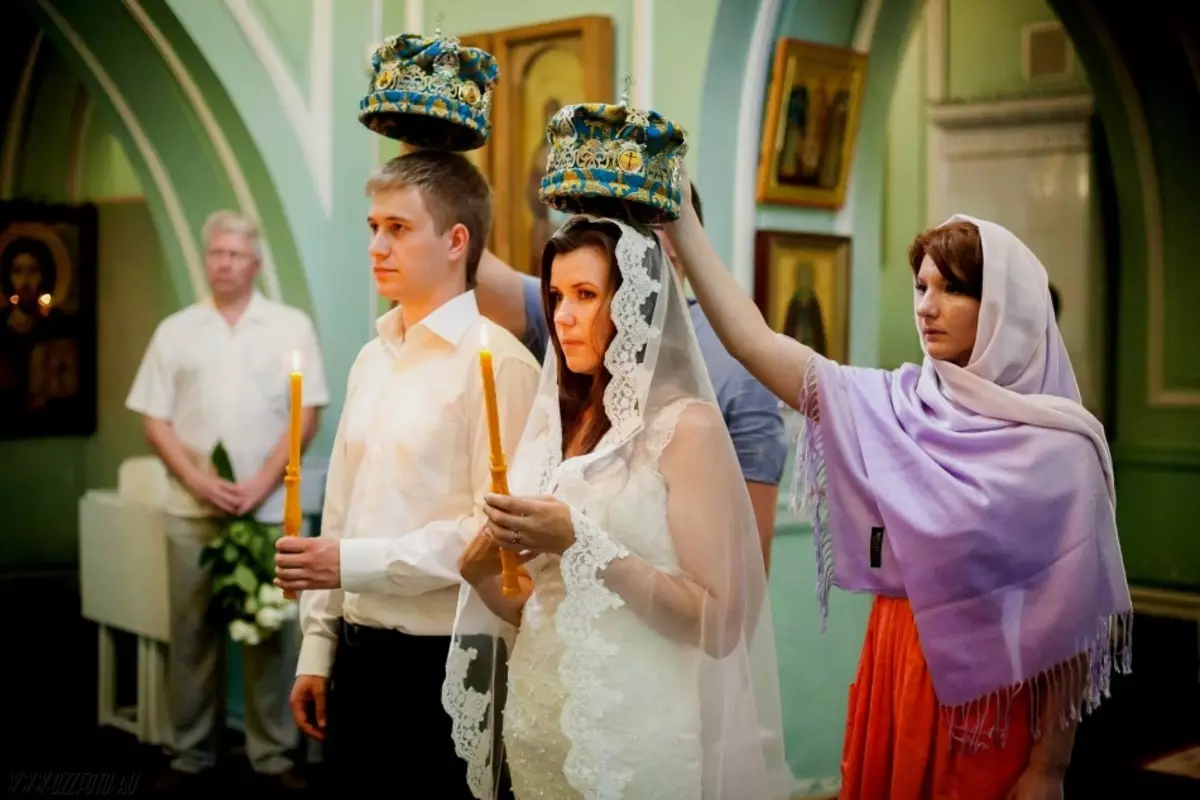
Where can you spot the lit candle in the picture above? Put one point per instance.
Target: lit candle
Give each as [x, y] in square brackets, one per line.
[291, 475]
[508, 560]
[295, 423]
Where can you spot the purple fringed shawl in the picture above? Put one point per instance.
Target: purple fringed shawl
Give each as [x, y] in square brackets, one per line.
[993, 489]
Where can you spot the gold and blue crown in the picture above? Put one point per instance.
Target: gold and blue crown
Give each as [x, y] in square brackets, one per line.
[614, 160]
[430, 92]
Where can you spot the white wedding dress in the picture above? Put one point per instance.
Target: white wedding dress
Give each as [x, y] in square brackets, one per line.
[649, 735]
[677, 697]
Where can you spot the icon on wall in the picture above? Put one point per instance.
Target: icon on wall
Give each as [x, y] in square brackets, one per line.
[812, 118]
[47, 320]
[802, 286]
[542, 68]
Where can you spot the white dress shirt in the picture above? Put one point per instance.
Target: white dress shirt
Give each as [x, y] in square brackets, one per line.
[408, 472]
[229, 383]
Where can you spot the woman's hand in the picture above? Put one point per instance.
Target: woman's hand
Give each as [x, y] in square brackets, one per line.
[685, 190]
[687, 223]
[534, 524]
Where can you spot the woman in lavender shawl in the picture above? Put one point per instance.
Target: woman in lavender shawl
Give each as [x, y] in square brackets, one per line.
[973, 496]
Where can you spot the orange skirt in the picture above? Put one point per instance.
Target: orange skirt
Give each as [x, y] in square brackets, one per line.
[898, 744]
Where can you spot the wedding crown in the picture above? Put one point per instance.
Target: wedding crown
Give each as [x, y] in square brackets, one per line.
[614, 161]
[430, 92]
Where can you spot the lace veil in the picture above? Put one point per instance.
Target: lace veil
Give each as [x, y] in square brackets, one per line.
[665, 423]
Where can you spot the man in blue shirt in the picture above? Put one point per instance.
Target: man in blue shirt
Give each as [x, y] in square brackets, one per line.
[751, 413]
[512, 300]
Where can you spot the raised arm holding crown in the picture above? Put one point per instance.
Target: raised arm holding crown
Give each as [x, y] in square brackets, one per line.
[973, 495]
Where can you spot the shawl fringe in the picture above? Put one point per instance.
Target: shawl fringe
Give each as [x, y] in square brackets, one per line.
[809, 483]
[1068, 691]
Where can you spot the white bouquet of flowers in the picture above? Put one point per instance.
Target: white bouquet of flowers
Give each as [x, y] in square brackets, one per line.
[263, 616]
[245, 598]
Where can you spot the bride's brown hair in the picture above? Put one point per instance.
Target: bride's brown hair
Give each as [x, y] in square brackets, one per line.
[579, 393]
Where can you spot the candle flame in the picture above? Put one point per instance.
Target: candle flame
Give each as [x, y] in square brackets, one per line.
[483, 339]
[295, 361]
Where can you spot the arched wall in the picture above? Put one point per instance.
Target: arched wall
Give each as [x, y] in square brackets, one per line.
[247, 104]
[77, 79]
[190, 152]
[295, 72]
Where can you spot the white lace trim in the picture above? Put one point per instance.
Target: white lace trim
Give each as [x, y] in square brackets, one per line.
[467, 709]
[626, 392]
[550, 441]
[591, 766]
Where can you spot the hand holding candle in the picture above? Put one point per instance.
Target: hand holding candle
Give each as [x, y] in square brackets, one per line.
[291, 476]
[508, 561]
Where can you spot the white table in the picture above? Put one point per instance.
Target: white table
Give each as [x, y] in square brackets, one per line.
[123, 583]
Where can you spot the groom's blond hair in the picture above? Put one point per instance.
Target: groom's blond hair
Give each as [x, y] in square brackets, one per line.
[454, 192]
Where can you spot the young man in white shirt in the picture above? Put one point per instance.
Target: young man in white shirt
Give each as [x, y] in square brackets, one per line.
[217, 371]
[404, 496]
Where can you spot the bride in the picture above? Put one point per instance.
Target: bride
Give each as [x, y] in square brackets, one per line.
[643, 663]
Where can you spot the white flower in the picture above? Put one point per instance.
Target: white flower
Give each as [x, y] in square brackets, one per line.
[242, 631]
[269, 618]
[271, 595]
[289, 610]
[251, 605]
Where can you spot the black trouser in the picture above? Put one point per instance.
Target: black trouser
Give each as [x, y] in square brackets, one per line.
[388, 732]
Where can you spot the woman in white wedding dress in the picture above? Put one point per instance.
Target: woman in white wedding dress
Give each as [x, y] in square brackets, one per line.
[643, 664]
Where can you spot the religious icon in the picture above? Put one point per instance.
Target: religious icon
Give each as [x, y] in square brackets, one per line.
[803, 320]
[802, 285]
[47, 320]
[543, 67]
[812, 116]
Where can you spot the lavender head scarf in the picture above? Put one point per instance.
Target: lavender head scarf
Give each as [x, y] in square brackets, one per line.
[982, 494]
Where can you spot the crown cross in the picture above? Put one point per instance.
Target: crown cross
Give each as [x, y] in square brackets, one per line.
[626, 85]
[441, 20]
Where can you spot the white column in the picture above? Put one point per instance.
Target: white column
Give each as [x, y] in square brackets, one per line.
[643, 54]
[745, 171]
[414, 17]
[864, 33]
[936, 89]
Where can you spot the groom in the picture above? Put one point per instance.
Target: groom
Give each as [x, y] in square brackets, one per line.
[405, 488]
